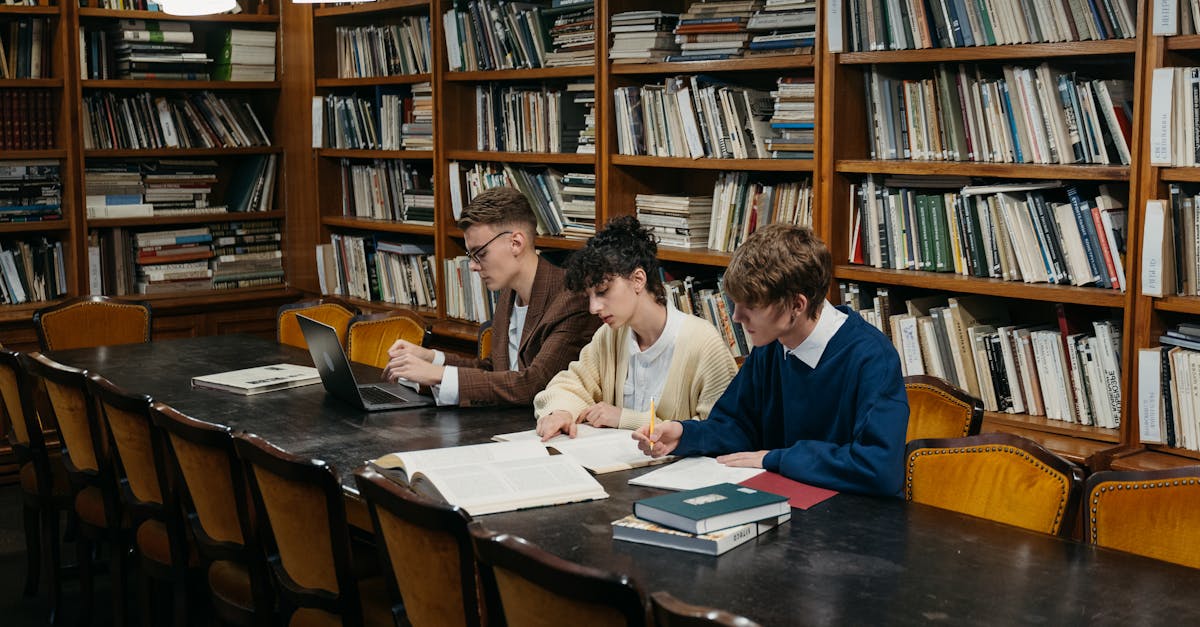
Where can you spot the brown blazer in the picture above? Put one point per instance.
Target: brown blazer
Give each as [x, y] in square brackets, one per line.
[557, 326]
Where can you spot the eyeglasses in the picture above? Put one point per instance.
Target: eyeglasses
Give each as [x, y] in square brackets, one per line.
[478, 254]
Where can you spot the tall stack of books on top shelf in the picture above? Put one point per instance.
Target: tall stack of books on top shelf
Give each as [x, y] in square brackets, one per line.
[572, 33]
[528, 118]
[384, 50]
[245, 55]
[680, 221]
[642, 36]
[495, 35]
[711, 30]
[143, 50]
[26, 48]
[794, 119]
[783, 27]
[30, 191]
[950, 24]
[558, 211]
[246, 254]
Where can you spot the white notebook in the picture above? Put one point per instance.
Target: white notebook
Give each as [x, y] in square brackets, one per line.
[258, 380]
[692, 473]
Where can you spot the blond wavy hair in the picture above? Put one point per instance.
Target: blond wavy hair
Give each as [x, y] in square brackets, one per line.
[776, 264]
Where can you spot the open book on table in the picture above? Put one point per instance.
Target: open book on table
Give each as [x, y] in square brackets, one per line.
[599, 450]
[497, 477]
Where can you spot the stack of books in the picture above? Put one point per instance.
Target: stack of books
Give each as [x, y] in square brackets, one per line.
[173, 260]
[579, 204]
[783, 27]
[712, 30]
[180, 187]
[30, 191]
[693, 117]
[384, 50]
[246, 254]
[418, 126]
[114, 190]
[31, 271]
[152, 50]
[680, 221]
[25, 49]
[709, 520]
[527, 119]
[572, 33]
[584, 96]
[245, 55]
[642, 36]
[794, 119]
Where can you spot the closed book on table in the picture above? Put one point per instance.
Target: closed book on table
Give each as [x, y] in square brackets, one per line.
[633, 529]
[708, 509]
[258, 380]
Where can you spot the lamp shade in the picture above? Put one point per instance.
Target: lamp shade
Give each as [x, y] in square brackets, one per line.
[196, 7]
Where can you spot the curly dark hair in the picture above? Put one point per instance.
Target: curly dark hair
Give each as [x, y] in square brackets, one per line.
[621, 248]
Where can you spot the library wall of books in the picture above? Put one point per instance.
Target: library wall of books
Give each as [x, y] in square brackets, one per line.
[1009, 187]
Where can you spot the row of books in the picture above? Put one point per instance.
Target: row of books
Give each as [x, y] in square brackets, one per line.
[1067, 369]
[371, 269]
[1168, 394]
[1022, 115]
[27, 119]
[911, 24]
[1174, 99]
[527, 118]
[705, 298]
[196, 120]
[564, 203]
[142, 49]
[693, 116]
[31, 271]
[1170, 264]
[495, 35]
[385, 49]
[387, 189]
[25, 49]
[247, 254]
[467, 298]
[1187, 15]
[30, 191]
[170, 187]
[1031, 232]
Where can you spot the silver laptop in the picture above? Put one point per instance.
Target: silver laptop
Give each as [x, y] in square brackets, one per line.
[330, 359]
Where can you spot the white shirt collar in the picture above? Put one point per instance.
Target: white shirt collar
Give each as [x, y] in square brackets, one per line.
[810, 350]
[667, 338]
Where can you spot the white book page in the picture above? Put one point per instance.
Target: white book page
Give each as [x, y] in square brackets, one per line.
[502, 486]
[422, 461]
[599, 450]
[693, 473]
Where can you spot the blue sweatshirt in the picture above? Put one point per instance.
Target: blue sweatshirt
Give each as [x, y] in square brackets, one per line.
[840, 426]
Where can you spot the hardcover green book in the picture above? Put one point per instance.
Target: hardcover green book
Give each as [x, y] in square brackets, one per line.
[712, 508]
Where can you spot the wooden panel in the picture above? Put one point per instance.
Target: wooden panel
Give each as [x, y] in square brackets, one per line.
[974, 285]
[1016, 53]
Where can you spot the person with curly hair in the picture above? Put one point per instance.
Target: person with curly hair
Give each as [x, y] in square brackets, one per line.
[646, 349]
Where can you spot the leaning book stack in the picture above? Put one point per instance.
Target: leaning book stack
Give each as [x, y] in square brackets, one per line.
[173, 260]
[572, 33]
[712, 30]
[245, 55]
[783, 27]
[246, 254]
[680, 221]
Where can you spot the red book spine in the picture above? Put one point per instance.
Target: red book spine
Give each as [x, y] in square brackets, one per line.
[1102, 235]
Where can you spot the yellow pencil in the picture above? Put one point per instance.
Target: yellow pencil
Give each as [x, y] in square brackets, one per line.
[651, 433]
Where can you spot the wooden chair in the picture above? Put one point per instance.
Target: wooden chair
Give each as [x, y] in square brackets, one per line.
[369, 336]
[432, 577]
[671, 612]
[90, 321]
[301, 521]
[90, 469]
[148, 494]
[937, 409]
[998, 476]
[217, 505]
[1155, 513]
[332, 312]
[45, 490]
[484, 343]
[532, 588]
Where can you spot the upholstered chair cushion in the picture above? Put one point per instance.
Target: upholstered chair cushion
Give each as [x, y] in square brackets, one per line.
[937, 410]
[331, 314]
[368, 341]
[429, 577]
[1158, 518]
[528, 604]
[300, 522]
[94, 323]
[206, 473]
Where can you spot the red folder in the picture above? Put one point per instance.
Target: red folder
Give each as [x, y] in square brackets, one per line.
[800, 495]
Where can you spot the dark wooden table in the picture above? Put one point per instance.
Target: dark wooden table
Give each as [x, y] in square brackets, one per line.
[848, 561]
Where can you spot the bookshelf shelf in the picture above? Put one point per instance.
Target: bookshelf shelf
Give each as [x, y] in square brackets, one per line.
[388, 226]
[43, 83]
[374, 154]
[1178, 304]
[199, 218]
[986, 53]
[998, 170]
[1075, 448]
[1046, 425]
[769, 63]
[404, 79]
[30, 11]
[24, 311]
[457, 329]
[1183, 42]
[205, 298]
[535, 74]
[376, 305]
[1155, 457]
[181, 152]
[558, 242]
[701, 256]
[1091, 296]
[1180, 175]
[145, 85]
[41, 226]
[53, 153]
[118, 14]
[683, 163]
[522, 157]
[371, 7]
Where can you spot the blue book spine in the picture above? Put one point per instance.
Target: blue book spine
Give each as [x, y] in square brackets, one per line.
[1091, 244]
[800, 125]
[1012, 122]
[782, 43]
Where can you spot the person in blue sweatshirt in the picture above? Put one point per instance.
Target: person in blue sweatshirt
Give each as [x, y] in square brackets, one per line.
[821, 397]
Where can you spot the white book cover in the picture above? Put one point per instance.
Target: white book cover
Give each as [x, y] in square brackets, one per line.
[693, 473]
[1153, 238]
[1161, 100]
[1149, 392]
[260, 379]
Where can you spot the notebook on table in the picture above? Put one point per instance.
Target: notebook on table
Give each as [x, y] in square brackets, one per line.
[338, 377]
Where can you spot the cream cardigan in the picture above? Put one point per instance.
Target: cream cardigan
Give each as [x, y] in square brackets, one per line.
[701, 368]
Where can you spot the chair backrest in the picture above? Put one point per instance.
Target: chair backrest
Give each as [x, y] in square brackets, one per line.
[937, 409]
[998, 476]
[74, 412]
[1155, 513]
[484, 346]
[92, 321]
[531, 587]
[369, 336]
[301, 524]
[127, 417]
[330, 312]
[671, 612]
[16, 392]
[428, 545]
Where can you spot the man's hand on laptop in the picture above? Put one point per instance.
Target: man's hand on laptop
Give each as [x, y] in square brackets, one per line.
[404, 347]
[409, 366]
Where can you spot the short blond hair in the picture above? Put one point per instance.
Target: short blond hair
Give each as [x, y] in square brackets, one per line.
[776, 264]
[499, 206]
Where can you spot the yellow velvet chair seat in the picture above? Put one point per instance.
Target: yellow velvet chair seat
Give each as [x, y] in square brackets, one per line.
[937, 409]
[369, 337]
[999, 477]
[153, 543]
[376, 608]
[1157, 516]
[332, 314]
[92, 322]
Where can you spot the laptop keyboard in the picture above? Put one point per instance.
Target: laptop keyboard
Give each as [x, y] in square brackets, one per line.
[379, 396]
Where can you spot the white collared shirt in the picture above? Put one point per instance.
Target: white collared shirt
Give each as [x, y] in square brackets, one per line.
[810, 350]
[646, 375]
[446, 393]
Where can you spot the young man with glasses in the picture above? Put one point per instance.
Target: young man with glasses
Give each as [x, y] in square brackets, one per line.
[538, 326]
